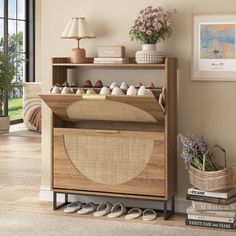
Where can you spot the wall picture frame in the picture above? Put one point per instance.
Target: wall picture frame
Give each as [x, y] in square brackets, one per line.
[213, 47]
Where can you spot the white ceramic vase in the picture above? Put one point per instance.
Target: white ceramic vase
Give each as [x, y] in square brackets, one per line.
[149, 55]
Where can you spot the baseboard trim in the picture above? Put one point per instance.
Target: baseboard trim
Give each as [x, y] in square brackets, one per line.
[181, 204]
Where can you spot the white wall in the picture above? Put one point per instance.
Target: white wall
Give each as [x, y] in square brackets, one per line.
[207, 108]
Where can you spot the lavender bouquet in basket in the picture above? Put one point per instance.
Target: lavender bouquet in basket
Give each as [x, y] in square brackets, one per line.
[193, 149]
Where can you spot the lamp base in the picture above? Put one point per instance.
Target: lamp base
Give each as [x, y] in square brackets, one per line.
[78, 56]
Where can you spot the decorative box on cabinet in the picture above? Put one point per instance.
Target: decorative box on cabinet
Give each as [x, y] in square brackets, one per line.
[120, 146]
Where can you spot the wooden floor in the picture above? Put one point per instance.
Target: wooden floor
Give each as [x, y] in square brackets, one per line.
[20, 174]
[20, 180]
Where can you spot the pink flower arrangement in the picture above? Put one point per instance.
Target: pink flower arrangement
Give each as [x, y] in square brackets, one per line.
[151, 26]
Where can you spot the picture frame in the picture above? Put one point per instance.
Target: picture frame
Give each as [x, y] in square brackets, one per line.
[213, 47]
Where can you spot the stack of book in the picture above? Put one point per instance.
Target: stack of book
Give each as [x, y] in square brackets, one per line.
[212, 209]
[111, 55]
[111, 60]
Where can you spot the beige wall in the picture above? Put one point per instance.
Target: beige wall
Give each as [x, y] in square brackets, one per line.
[207, 108]
[38, 40]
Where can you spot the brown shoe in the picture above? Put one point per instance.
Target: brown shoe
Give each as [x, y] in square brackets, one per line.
[151, 85]
[138, 84]
[87, 84]
[98, 84]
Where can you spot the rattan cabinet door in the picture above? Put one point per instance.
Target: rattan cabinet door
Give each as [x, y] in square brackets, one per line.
[109, 161]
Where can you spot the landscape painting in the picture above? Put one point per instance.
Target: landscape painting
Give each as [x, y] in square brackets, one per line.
[217, 41]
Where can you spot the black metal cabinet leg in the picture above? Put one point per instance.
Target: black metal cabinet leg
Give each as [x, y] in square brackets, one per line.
[168, 214]
[55, 206]
[165, 210]
[173, 205]
[54, 201]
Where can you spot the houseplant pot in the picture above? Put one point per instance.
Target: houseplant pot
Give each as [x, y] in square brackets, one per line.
[4, 124]
[148, 55]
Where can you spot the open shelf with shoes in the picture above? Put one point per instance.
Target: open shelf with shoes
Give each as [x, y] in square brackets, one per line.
[123, 146]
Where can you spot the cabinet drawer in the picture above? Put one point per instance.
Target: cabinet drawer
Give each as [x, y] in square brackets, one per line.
[105, 108]
[125, 162]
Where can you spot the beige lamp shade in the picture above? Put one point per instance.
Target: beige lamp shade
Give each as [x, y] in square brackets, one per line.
[77, 28]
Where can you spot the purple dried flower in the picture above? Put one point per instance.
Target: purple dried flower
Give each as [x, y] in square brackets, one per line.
[192, 146]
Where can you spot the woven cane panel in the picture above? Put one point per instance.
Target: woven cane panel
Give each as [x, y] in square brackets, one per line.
[107, 110]
[109, 160]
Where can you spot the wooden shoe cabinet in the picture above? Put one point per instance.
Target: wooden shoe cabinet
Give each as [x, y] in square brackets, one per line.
[119, 146]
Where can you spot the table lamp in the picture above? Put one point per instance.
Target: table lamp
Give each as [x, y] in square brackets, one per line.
[78, 28]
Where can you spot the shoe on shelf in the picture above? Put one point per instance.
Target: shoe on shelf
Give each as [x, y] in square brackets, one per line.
[65, 84]
[67, 90]
[139, 84]
[98, 84]
[80, 91]
[87, 84]
[150, 85]
[105, 91]
[90, 91]
[117, 92]
[132, 91]
[56, 89]
[124, 86]
[113, 85]
[144, 92]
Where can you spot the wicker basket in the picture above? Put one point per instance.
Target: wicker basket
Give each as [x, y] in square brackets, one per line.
[224, 178]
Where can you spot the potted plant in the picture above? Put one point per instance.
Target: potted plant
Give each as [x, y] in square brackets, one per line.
[7, 84]
[151, 26]
[11, 59]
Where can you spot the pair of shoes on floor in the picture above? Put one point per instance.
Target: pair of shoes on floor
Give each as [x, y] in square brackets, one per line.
[148, 214]
[80, 208]
[111, 211]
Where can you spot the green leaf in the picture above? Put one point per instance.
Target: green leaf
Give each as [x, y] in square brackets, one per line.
[9, 67]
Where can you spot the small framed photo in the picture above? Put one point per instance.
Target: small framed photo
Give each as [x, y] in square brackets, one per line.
[214, 47]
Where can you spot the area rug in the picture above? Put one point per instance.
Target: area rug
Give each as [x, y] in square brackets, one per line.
[15, 223]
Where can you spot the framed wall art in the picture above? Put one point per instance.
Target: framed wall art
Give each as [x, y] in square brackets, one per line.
[214, 47]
